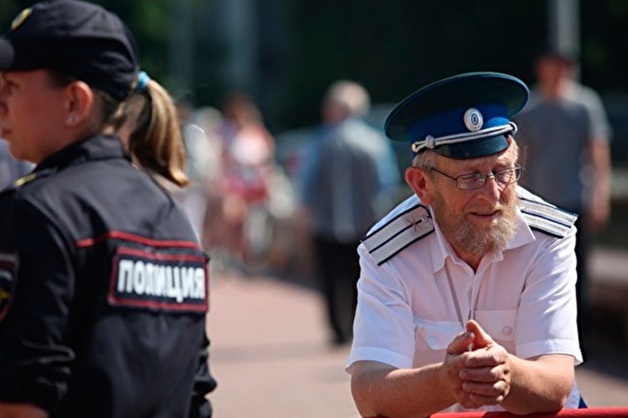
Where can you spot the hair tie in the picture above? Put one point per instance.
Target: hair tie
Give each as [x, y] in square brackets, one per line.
[142, 81]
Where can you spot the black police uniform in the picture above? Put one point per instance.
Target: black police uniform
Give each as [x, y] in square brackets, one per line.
[103, 291]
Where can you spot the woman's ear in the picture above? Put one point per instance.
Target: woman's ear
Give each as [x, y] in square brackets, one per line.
[417, 179]
[79, 103]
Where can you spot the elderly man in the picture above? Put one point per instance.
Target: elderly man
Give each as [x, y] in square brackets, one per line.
[466, 298]
[348, 180]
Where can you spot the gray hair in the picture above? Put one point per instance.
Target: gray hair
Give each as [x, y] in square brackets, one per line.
[350, 96]
[424, 159]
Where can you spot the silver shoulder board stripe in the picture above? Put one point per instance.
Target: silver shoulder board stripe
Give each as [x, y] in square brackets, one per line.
[547, 218]
[403, 230]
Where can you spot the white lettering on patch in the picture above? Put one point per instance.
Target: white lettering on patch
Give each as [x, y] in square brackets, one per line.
[159, 280]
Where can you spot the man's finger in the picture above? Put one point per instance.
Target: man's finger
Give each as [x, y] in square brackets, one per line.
[460, 344]
[482, 339]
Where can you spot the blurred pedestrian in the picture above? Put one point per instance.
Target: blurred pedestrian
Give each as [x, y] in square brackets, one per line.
[467, 288]
[103, 284]
[348, 179]
[10, 168]
[564, 136]
[203, 156]
[244, 185]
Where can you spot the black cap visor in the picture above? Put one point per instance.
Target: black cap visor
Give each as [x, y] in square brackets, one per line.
[6, 54]
[474, 149]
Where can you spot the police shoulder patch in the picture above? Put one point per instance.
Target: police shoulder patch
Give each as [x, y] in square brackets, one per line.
[8, 277]
[547, 218]
[401, 231]
[159, 280]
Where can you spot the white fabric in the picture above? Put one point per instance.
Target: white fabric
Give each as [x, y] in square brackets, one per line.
[431, 142]
[524, 297]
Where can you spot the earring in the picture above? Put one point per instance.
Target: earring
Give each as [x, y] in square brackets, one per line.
[71, 119]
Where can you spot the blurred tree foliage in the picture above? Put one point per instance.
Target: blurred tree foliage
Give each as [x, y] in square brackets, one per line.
[395, 47]
[391, 47]
[147, 19]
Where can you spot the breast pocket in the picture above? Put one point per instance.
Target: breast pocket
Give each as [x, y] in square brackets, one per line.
[436, 335]
[500, 325]
[432, 339]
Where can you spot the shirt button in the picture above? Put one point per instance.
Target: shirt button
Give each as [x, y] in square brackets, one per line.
[432, 340]
[507, 330]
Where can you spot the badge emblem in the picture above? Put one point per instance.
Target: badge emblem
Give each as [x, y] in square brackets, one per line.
[473, 119]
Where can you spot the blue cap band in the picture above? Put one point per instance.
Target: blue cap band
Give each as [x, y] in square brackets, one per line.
[451, 122]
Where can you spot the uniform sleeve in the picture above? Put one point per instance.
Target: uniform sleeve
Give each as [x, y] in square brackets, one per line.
[204, 383]
[34, 361]
[549, 296]
[384, 324]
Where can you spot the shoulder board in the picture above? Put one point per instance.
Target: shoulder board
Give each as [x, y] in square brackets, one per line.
[19, 182]
[30, 177]
[547, 218]
[401, 231]
[25, 179]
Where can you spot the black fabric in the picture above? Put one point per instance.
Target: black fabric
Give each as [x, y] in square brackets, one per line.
[74, 37]
[338, 270]
[479, 148]
[583, 249]
[71, 341]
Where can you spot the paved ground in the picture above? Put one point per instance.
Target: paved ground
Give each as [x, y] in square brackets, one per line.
[271, 357]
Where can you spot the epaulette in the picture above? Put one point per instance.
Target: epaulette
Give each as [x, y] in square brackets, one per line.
[547, 218]
[401, 231]
[28, 178]
[25, 179]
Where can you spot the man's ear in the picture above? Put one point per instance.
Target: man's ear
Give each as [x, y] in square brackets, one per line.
[418, 181]
[79, 103]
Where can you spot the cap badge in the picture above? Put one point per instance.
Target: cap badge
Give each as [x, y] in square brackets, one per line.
[20, 18]
[473, 119]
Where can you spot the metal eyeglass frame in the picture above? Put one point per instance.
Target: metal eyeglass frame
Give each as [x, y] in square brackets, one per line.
[478, 180]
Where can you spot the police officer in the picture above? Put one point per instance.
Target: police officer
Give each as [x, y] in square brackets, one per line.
[466, 298]
[103, 285]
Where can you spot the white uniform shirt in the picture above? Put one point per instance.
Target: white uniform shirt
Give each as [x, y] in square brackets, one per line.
[413, 304]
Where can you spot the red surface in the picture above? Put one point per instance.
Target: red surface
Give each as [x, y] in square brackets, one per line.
[613, 412]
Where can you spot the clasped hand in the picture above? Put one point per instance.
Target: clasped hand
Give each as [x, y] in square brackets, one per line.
[477, 369]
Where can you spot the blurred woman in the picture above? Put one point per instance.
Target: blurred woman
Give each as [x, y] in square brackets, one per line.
[248, 167]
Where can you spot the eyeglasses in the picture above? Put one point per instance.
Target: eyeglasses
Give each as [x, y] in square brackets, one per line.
[473, 181]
